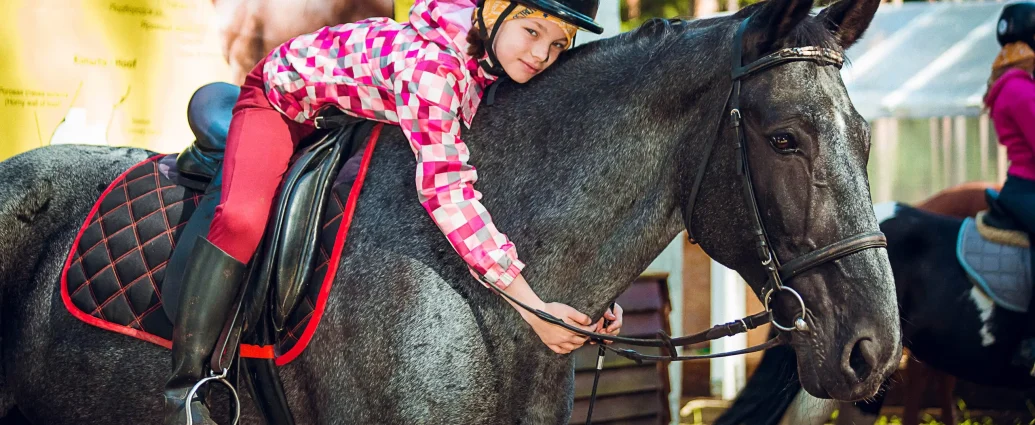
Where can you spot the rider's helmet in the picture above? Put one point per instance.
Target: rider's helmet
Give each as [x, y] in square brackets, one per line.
[569, 14]
[580, 13]
[1017, 23]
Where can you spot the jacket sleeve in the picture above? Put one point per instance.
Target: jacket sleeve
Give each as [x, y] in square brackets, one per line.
[428, 102]
[303, 75]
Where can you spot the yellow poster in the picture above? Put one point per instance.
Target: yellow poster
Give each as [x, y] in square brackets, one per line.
[402, 10]
[120, 72]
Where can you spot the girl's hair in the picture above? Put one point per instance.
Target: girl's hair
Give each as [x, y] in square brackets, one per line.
[477, 43]
[1016, 55]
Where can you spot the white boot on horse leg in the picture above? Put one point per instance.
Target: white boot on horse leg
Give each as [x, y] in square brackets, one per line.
[808, 410]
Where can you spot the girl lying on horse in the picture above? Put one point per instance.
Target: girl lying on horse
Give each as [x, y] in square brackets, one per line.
[427, 75]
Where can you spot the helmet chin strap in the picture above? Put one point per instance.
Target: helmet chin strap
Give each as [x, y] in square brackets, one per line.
[491, 69]
[491, 65]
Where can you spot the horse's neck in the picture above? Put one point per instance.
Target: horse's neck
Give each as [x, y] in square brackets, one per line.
[587, 183]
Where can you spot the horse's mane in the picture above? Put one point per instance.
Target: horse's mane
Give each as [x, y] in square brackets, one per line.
[811, 32]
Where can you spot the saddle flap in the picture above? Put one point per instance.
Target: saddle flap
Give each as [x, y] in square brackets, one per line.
[300, 229]
[1002, 271]
[293, 235]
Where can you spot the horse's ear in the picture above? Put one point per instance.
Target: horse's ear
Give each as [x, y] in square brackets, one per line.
[772, 22]
[848, 19]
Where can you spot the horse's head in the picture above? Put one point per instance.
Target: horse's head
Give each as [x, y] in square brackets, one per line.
[621, 128]
[806, 155]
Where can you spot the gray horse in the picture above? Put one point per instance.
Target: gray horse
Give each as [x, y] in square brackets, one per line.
[588, 169]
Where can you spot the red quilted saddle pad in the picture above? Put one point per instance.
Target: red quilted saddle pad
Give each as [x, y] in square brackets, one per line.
[113, 275]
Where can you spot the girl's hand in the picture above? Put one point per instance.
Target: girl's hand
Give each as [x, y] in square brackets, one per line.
[615, 317]
[556, 338]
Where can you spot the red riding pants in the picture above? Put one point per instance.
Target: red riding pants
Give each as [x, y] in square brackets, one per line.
[259, 147]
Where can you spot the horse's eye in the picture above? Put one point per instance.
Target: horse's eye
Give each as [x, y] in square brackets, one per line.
[783, 143]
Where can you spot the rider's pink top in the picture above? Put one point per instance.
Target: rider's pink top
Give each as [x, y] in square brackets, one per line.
[1012, 103]
[417, 75]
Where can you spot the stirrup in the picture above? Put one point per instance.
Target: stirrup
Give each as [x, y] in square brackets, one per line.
[221, 378]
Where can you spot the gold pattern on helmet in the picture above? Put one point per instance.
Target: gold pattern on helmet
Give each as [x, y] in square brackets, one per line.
[492, 9]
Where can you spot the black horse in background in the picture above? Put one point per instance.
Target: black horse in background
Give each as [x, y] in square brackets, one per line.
[947, 323]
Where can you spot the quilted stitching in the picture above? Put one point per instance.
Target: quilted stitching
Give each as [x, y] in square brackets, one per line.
[1002, 271]
[120, 259]
[119, 262]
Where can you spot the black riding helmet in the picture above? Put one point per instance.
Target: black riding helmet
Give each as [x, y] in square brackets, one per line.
[580, 13]
[1017, 23]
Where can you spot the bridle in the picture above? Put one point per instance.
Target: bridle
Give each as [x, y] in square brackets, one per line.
[777, 273]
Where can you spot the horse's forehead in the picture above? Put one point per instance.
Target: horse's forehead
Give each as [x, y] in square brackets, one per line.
[812, 84]
[818, 94]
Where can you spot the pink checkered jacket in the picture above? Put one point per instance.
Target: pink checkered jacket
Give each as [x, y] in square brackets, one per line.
[418, 75]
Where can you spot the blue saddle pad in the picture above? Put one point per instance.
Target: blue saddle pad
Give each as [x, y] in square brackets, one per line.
[1001, 271]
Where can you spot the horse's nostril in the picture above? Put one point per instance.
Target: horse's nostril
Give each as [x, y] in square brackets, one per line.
[862, 358]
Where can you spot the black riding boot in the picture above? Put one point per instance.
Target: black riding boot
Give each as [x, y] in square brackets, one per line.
[210, 283]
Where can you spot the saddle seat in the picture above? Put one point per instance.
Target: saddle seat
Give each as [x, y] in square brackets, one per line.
[208, 115]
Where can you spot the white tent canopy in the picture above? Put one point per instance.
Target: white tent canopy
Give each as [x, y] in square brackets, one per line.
[922, 60]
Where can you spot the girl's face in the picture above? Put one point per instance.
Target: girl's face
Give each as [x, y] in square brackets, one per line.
[527, 46]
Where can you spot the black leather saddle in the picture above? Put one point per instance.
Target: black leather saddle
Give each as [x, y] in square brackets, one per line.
[281, 268]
